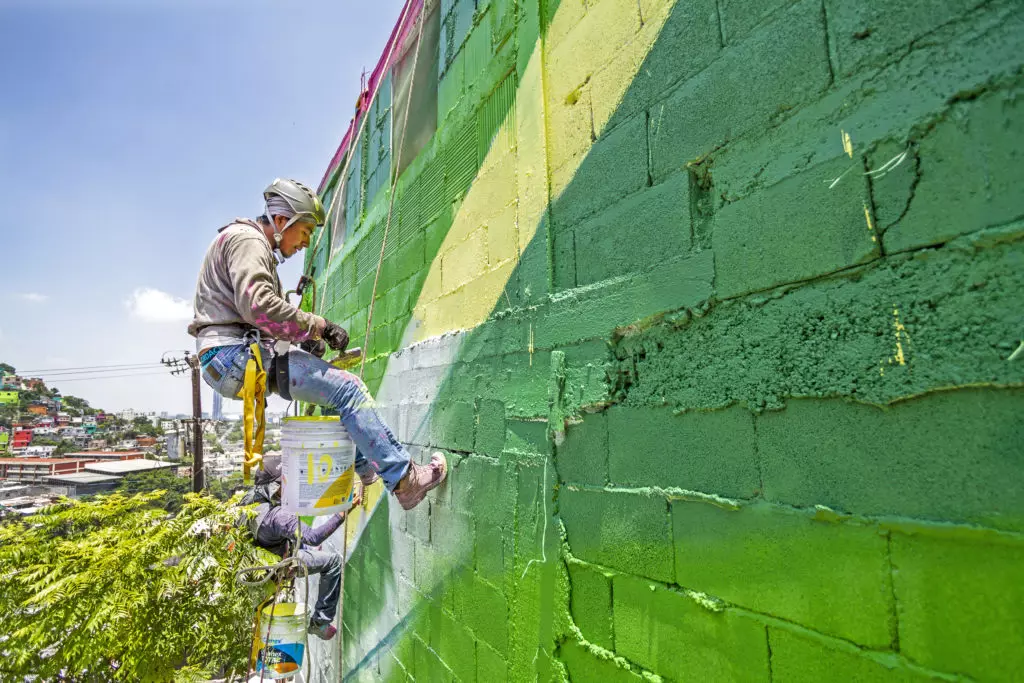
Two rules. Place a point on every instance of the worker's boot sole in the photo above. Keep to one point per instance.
(420, 479)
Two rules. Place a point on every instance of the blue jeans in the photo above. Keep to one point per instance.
(328, 566)
(313, 380)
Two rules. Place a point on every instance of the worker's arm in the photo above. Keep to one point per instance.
(311, 536)
(254, 284)
(280, 526)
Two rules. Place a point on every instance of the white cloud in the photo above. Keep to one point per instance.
(152, 305)
(32, 297)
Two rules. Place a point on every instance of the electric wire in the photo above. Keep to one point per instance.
(117, 366)
(102, 377)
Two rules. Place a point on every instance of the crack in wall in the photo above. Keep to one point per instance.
(829, 46)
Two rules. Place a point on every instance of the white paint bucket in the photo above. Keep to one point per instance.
(281, 640)
(317, 472)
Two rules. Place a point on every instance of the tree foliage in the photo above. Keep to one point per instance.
(115, 589)
(172, 487)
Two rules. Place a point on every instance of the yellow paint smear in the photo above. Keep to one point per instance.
(900, 331)
(871, 227)
(847, 144)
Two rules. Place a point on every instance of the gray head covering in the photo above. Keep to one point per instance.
(278, 206)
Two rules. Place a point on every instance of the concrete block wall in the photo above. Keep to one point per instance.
(711, 305)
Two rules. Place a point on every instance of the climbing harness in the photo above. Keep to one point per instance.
(253, 395)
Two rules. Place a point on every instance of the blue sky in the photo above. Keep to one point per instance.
(129, 132)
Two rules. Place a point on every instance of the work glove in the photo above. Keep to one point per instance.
(314, 346)
(336, 337)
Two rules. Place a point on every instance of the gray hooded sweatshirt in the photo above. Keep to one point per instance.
(238, 289)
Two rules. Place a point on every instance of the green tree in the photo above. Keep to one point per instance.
(7, 369)
(115, 589)
(171, 487)
(224, 489)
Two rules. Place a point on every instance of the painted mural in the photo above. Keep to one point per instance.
(714, 307)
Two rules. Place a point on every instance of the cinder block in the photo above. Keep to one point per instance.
(639, 232)
(455, 646)
(847, 456)
(428, 666)
(678, 39)
(740, 17)
(483, 609)
(584, 665)
(668, 632)
(833, 578)
(614, 167)
(492, 190)
(451, 534)
(465, 262)
(583, 457)
(564, 259)
(779, 68)
(502, 237)
(490, 551)
(961, 603)
(803, 658)
(630, 532)
(868, 34)
(793, 231)
(480, 488)
(712, 452)
(490, 665)
(527, 436)
(962, 178)
(571, 122)
(452, 426)
(490, 427)
(591, 603)
(590, 44)
(678, 283)
(560, 18)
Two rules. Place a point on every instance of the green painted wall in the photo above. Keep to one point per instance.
(9, 397)
(711, 304)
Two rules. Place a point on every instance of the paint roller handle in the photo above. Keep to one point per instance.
(347, 359)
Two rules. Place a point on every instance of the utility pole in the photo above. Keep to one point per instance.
(198, 480)
(180, 366)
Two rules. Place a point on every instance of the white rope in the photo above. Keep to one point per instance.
(394, 184)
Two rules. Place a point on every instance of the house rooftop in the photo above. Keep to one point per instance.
(128, 466)
(81, 478)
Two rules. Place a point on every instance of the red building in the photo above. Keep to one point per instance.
(35, 470)
(21, 438)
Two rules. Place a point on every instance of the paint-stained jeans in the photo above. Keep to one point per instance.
(313, 380)
(328, 566)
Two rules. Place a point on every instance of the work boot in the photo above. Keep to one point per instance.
(419, 479)
(322, 631)
(368, 479)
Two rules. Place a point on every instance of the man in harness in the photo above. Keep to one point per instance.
(275, 529)
(239, 298)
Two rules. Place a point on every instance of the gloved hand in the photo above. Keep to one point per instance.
(314, 346)
(336, 337)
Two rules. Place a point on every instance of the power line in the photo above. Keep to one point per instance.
(84, 367)
(146, 366)
(101, 377)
